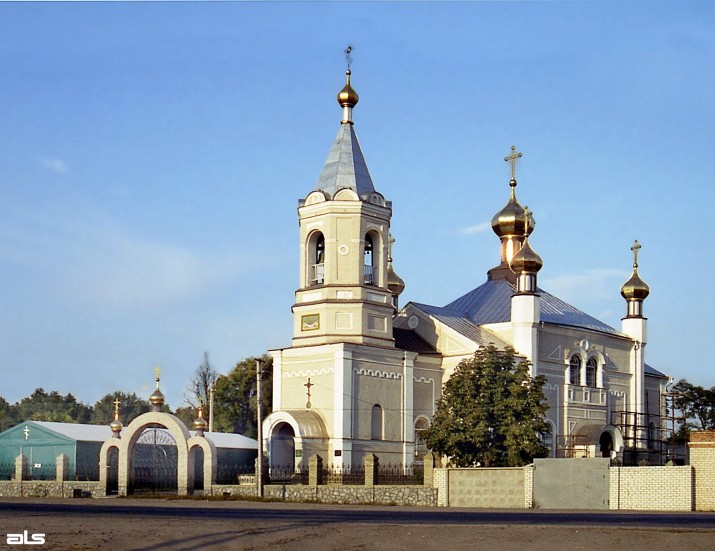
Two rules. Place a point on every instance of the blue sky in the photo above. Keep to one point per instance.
(152, 156)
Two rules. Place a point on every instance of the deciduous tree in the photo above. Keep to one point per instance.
(235, 399)
(491, 412)
(696, 404)
(130, 406)
(197, 394)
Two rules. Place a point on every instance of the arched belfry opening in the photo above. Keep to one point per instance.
(368, 261)
(316, 259)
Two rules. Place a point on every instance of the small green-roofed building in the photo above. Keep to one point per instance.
(42, 442)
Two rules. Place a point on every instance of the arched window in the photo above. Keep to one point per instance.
(651, 435)
(368, 256)
(376, 423)
(547, 438)
(591, 367)
(316, 259)
(575, 370)
(421, 426)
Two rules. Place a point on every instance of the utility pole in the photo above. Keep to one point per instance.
(259, 475)
(212, 389)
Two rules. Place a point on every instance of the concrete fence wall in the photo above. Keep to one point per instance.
(482, 487)
(669, 488)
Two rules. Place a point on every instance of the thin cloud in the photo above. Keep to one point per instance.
(55, 165)
(588, 286)
(92, 259)
(477, 228)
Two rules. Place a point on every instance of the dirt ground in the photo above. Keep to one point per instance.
(92, 528)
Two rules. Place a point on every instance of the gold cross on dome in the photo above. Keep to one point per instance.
(511, 159)
(158, 372)
(527, 213)
(635, 248)
(116, 408)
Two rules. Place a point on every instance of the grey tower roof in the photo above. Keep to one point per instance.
(345, 166)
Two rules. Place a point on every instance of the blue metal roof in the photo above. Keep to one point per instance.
(491, 303)
(345, 166)
(407, 339)
(462, 324)
(653, 372)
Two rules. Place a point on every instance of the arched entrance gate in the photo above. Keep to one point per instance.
(157, 454)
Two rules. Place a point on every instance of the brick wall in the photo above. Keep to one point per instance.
(440, 483)
(702, 460)
(651, 488)
(528, 486)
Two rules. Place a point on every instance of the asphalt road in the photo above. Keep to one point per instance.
(317, 514)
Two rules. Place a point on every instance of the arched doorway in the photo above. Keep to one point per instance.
(154, 462)
(197, 454)
(282, 452)
(606, 443)
(112, 485)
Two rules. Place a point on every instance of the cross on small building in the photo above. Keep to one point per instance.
(26, 430)
(511, 159)
(116, 408)
(308, 385)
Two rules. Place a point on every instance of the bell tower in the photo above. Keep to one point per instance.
(343, 295)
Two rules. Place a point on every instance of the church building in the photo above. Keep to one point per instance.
(362, 376)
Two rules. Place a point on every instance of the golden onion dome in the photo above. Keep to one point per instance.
(156, 398)
(116, 425)
(526, 260)
(347, 97)
(635, 288)
(200, 424)
(510, 219)
(395, 284)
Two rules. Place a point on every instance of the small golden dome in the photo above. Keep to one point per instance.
(156, 398)
(510, 219)
(394, 282)
(200, 424)
(526, 260)
(347, 97)
(635, 288)
(116, 425)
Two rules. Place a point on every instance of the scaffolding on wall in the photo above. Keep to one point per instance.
(648, 439)
(572, 445)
